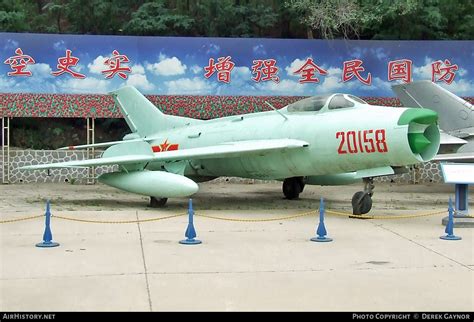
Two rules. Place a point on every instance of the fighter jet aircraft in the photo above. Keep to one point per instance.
(321, 140)
(456, 117)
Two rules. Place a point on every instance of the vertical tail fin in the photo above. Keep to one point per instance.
(454, 112)
(141, 115)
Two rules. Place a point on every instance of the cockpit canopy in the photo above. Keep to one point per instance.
(332, 101)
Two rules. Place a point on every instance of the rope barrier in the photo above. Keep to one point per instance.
(19, 219)
(117, 221)
(257, 219)
(336, 213)
(308, 213)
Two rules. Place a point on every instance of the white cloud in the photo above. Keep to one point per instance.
(7, 84)
(26, 85)
(459, 86)
(137, 69)
(461, 72)
(294, 66)
(423, 72)
(138, 79)
(378, 85)
(40, 70)
(196, 69)
(284, 87)
(167, 67)
(259, 50)
(358, 52)
(79, 67)
(195, 85)
(97, 65)
(334, 83)
(241, 72)
(213, 49)
(162, 56)
(379, 53)
(462, 87)
(327, 84)
(11, 44)
(240, 82)
(87, 85)
(60, 46)
(32, 84)
(335, 71)
(331, 84)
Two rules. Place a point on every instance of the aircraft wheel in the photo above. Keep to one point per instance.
(361, 203)
(157, 202)
(292, 187)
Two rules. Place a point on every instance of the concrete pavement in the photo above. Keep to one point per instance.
(372, 265)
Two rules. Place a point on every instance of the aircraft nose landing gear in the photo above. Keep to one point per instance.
(362, 200)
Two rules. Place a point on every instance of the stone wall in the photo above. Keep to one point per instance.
(424, 173)
(19, 158)
(1, 167)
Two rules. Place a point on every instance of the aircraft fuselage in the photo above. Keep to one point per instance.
(340, 141)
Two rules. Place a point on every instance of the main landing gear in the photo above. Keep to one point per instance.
(362, 200)
(292, 187)
(157, 202)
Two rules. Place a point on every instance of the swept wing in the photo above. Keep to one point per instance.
(224, 150)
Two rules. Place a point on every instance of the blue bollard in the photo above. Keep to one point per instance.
(450, 225)
(47, 236)
(321, 231)
(190, 233)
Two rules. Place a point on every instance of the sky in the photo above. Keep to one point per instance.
(176, 65)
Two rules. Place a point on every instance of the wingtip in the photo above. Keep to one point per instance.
(70, 147)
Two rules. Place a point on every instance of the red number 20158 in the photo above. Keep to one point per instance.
(365, 141)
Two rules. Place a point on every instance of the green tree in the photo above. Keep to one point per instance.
(404, 19)
(227, 18)
(154, 18)
(328, 18)
(417, 19)
(13, 16)
(352, 19)
(98, 16)
(458, 19)
(56, 9)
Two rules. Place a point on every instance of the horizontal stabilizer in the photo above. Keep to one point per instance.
(445, 138)
(449, 143)
(455, 157)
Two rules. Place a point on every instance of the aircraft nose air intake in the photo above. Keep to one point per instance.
(418, 142)
(423, 132)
